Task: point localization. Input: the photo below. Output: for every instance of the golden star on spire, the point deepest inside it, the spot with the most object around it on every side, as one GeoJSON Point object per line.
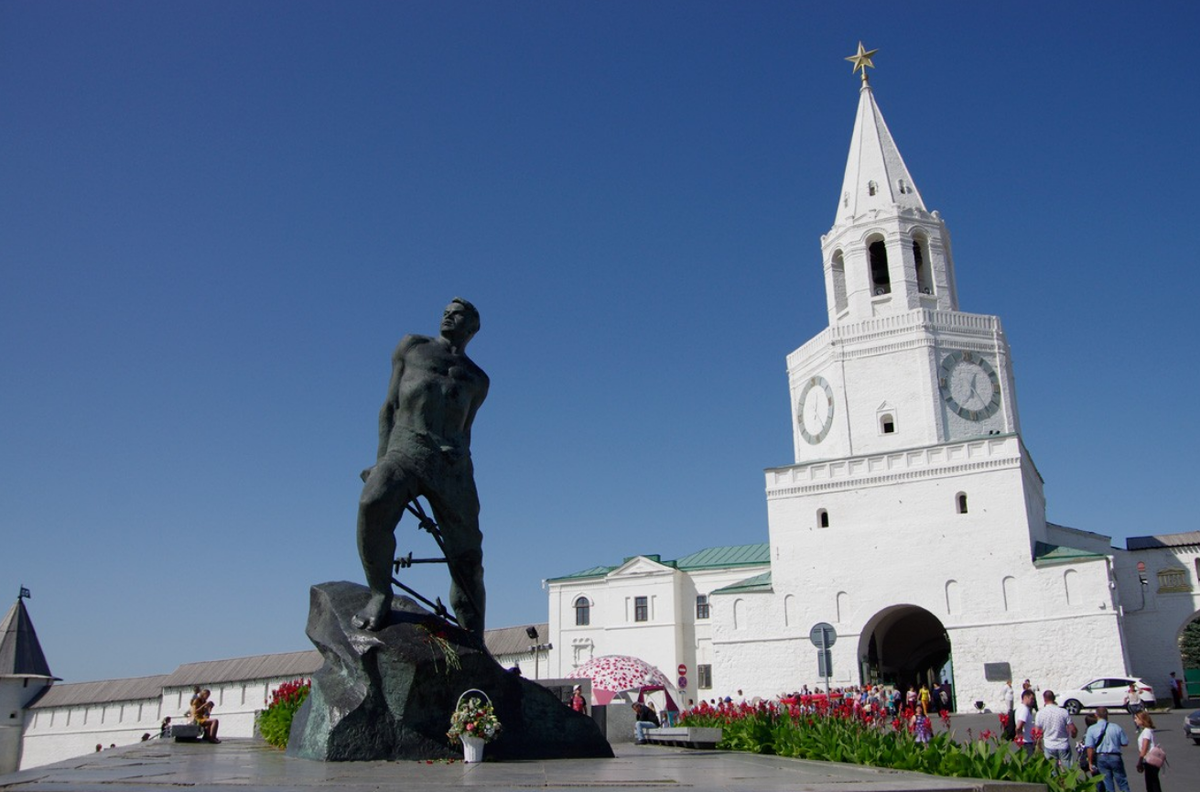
{"type": "Point", "coordinates": [862, 60]}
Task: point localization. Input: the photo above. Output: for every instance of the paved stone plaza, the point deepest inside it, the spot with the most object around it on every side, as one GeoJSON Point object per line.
{"type": "Point", "coordinates": [252, 765]}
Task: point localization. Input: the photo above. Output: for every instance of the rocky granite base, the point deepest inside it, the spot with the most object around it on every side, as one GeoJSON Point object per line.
{"type": "Point", "coordinates": [389, 694]}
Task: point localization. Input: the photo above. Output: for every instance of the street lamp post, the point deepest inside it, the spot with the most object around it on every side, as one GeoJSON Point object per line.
{"type": "Point", "coordinates": [537, 648]}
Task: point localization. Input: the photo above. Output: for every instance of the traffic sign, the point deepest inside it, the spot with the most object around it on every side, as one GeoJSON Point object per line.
{"type": "Point", "coordinates": [824, 663]}
{"type": "Point", "coordinates": [823, 635]}
{"type": "Point", "coordinates": [682, 669]}
{"type": "Point", "coordinates": [683, 683]}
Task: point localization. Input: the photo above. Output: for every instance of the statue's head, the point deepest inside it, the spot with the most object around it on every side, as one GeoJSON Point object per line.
{"type": "Point", "coordinates": [460, 320]}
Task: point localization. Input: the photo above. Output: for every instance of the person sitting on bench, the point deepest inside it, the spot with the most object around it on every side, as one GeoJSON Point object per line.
{"type": "Point", "coordinates": [644, 718]}
{"type": "Point", "coordinates": [202, 714]}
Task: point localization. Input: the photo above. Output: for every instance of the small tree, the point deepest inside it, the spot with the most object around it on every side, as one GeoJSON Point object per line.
{"type": "Point", "coordinates": [1189, 645]}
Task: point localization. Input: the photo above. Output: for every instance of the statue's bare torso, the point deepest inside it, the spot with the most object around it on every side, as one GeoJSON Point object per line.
{"type": "Point", "coordinates": [437, 391]}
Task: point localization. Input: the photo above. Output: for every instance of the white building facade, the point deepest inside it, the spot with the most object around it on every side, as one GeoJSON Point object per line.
{"type": "Point", "coordinates": [912, 518]}
{"type": "Point", "coordinates": [659, 611]}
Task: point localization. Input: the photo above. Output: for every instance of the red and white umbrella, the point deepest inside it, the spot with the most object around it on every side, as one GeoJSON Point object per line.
{"type": "Point", "coordinates": [613, 674]}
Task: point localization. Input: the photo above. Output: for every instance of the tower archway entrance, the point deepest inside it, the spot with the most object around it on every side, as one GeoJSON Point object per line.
{"type": "Point", "coordinates": [905, 646]}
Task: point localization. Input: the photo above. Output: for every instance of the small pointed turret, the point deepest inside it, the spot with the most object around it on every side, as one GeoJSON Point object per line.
{"type": "Point", "coordinates": [20, 651]}
{"type": "Point", "coordinates": [24, 675]}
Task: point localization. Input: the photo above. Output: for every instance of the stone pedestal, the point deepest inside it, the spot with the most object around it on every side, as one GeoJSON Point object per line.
{"type": "Point", "coordinates": [389, 694]}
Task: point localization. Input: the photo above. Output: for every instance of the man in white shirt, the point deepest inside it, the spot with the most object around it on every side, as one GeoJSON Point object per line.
{"type": "Point", "coordinates": [1055, 723]}
{"type": "Point", "coordinates": [1006, 701]}
{"type": "Point", "coordinates": [1024, 717]}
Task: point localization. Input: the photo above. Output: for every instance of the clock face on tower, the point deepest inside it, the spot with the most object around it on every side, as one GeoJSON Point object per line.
{"type": "Point", "coordinates": [969, 385]}
{"type": "Point", "coordinates": [814, 410]}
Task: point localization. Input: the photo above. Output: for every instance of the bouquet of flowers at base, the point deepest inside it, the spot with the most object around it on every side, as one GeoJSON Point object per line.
{"type": "Point", "coordinates": [473, 716]}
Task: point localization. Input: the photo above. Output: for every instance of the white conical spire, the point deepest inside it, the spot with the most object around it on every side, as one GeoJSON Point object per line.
{"type": "Point", "coordinates": [876, 176]}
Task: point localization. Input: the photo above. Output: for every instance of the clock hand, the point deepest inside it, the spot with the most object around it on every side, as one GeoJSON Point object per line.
{"type": "Point", "coordinates": [975, 392]}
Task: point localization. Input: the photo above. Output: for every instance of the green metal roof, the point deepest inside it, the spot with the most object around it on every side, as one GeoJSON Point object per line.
{"type": "Point", "coordinates": [1045, 554]}
{"type": "Point", "coordinates": [733, 556]}
{"type": "Point", "coordinates": [596, 571]}
{"type": "Point", "coordinates": [758, 583]}
{"type": "Point", "coordinates": [709, 558]}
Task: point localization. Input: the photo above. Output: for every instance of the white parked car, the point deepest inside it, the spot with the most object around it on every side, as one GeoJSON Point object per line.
{"type": "Point", "coordinates": [1105, 692]}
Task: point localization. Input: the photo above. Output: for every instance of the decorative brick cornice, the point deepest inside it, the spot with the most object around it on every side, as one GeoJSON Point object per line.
{"type": "Point", "coordinates": [929, 325]}
{"type": "Point", "coordinates": [968, 456]}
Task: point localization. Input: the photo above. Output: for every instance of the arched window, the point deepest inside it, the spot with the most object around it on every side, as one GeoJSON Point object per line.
{"type": "Point", "coordinates": [881, 280]}
{"type": "Point", "coordinates": [872, 188]}
{"type": "Point", "coordinates": [822, 518]}
{"type": "Point", "coordinates": [960, 502]}
{"type": "Point", "coordinates": [583, 612]}
{"type": "Point", "coordinates": [837, 266]}
{"type": "Point", "coordinates": [887, 423]}
{"type": "Point", "coordinates": [904, 187]}
{"type": "Point", "coordinates": [921, 262]}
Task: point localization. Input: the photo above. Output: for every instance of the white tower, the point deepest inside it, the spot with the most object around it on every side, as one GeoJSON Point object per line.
{"type": "Point", "coordinates": [911, 517]}
{"type": "Point", "coordinates": [24, 674]}
{"type": "Point", "coordinates": [899, 365]}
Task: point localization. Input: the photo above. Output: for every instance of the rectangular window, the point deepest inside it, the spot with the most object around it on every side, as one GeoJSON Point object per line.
{"type": "Point", "coordinates": [704, 677]}
{"type": "Point", "coordinates": [641, 610]}
{"type": "Point", "coordinates": [702, 606]}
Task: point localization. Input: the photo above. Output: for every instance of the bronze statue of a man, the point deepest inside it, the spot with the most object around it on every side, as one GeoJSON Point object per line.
{"type": "Point", "coordinates": [425, 449]}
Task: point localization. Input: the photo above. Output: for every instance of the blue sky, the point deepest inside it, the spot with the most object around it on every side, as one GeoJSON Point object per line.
{"type": "Point", "coordinates": [218, 218]}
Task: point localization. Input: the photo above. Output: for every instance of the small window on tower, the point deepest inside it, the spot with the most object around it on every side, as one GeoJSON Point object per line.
{"type": "Point", "coordinates": [881, 279]}
{"type": "Point", "coordinates": [845, 199]}
{"type": "Point", "coordinates": [822, 518]}
{"type": "Point", "coordinates": [872, 188]}
{"type": "Point", "coordinates": [904, 187]}
{"type": "Point", "coordinates": [924, 278]}
{"type": "Point", "coordinates": [960, 502]}
{"type": "Point", "coordinates": [837, 268]}
{"type": "Point", "coordinates": [887, 424]}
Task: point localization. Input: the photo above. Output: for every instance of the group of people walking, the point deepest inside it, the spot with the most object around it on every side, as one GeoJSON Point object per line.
{"type": "Point", "coordinates": [1099, 751]}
